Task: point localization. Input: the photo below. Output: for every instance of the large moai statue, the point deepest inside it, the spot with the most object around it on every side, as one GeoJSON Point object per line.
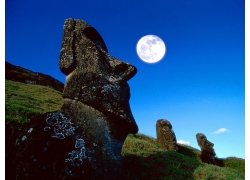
{"type": "Point", "coordinates": [84, 139]}
{"type": "Point", "coordinates": [207, 150]}
{"type": "Point", "coordinates": [165, 135]}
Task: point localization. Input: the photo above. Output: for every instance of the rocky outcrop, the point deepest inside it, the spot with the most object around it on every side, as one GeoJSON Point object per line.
{"type": "Point", "coordinates": [207, 150]}
{"type": "Point", "coordinates": [165, 135]}
{"type": "Point", "coordinates": [83, 140]}
{"type": "Point", "coordinates": [19, 74]}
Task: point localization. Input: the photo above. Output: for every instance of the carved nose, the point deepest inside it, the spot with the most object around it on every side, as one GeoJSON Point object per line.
{"type": "Point", "coordinates": [124, 70]}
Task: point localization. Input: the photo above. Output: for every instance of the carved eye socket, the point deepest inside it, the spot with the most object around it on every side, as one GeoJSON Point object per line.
{"type": "Point", "coordinates": [93, 35]}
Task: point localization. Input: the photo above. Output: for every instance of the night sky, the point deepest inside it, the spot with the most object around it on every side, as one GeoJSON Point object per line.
{"type": "Point", "coordinates": [199, 85]}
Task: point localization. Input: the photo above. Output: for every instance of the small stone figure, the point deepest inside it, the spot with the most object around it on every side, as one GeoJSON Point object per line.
{"type": "Point", "coordinates": [165, 135]}
{"type": "Point", "coordinates": [84, 139]}
{"type": "Point", "coordinates": [207, 150]}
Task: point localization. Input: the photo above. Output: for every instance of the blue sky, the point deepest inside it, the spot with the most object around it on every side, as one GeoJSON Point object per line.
{"type": "Point", "coordinates": [199, 85]}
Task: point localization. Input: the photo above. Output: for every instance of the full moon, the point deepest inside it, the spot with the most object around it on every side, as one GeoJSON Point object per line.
{"type": "Point", "coordinates": [150, 48]}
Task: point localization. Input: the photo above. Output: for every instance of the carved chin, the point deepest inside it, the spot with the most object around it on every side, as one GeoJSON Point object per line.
{"type": "Point", "coordinates": [109, 98]}
{"type": "Point", "coordinates": [118, 112]}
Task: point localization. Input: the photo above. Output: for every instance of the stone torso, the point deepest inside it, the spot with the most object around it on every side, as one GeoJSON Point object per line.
{"type": "Point", "coordinates": [57, 145]}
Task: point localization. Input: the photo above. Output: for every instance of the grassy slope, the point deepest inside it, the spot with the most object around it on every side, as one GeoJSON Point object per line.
{"type": "Point", "coordinates": [144, 159]}
{"type": "Point", "coordinates": [142, 156]}
{"type": "Point", "coordinates": [23, 101]}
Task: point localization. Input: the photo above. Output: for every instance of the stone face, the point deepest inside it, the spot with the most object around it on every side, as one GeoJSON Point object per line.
{"type": "Point", "coordinates": [165, 135]}
{"type": "Point", "coordinates": [84, 139]}
{"type": "Point", "coordinates": [93, 76]}
{"type": "Point", "coordinates": [207, 150]}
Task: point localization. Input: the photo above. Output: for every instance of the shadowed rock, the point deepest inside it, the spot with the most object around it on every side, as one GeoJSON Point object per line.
{"type": "Point", "coordinates": [84, 139]}
{"type": "Point", "coordinates": [207, 150]}
{"type": "Point", "coordinates": [165, 135]}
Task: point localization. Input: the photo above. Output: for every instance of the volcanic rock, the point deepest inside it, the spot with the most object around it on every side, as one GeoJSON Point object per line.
{"type": "Point", "coordinates": [165, 135]}
{"type": "Point", "coordinates": [207, 150]}
{"type": "Point", "coordinates": [85, 137]}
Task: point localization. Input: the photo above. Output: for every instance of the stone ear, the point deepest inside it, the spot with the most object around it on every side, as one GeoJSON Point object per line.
{"type": "Point", "coordinates": [67, 58]}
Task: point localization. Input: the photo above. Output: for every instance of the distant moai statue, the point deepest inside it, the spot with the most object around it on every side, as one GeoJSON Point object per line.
{"type": "Point", "coordinates": [84, 139]}
{"type": "Point", "coordinates": [207, 150]}
{"type": "Point", "coordinates": [165, 135]}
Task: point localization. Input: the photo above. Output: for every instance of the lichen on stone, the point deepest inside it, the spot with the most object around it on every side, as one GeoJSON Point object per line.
{"type": "Point", "coordinates": [30, 130]}
{"type": "Point", "coordinates": [24, 138]}
{"type": "Point", "coordinates": [61, 125]}
{"type": "Point", "coordinates": [77, 156]}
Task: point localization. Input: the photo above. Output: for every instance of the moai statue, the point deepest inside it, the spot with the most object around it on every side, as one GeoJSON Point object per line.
{"type": "Point", "coordinates": [207, 150]}
{"type": "Point", "coordinates": [84, 138]}
{"type": "Point", "coordinates": [165, 135]}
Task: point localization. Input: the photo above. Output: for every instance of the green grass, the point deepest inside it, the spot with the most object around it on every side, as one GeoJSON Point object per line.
{"type": "Point", "coordinates": [208, 171]}
{"type": "Point", "coordinates": [144, 159]}
{"type": "Point", "coordinates": [23, 102]}
{"type": "Point", "coordinates": [235, 163]}
{"type": "Point", "coordinates": [141, 155]}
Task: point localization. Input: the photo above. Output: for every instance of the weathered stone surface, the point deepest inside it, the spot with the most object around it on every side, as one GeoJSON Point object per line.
{"type": "Point", "coordinates": [84, 139]}
{"type": "Point", "coordinates": [93, 76]}
{"type": "Point", "coordinates": [165, 135]}
{"type": "Point", "coordinates": [207, 150]}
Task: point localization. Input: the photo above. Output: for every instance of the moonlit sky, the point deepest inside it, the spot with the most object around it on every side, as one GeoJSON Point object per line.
{"type": "Point", "coordinates": [199, 84]}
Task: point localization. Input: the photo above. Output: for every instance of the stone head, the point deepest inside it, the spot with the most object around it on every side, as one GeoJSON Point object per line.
{"type": "Point", "coordinates": [204, 143]}
{"type": "Point", "coordinates": [164, 123]}
{"type": "Point", "coordinates": [93, 77]}
{"type": "Point", "coordinates": [165, 135]}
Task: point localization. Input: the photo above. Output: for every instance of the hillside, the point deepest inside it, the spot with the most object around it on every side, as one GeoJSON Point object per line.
{"type": "Point", "coordinates": [28, 94]}
{"type": "Point", "coordinates": [19, 74]}
{"type": "Point", "coordinates": [142, 156]}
